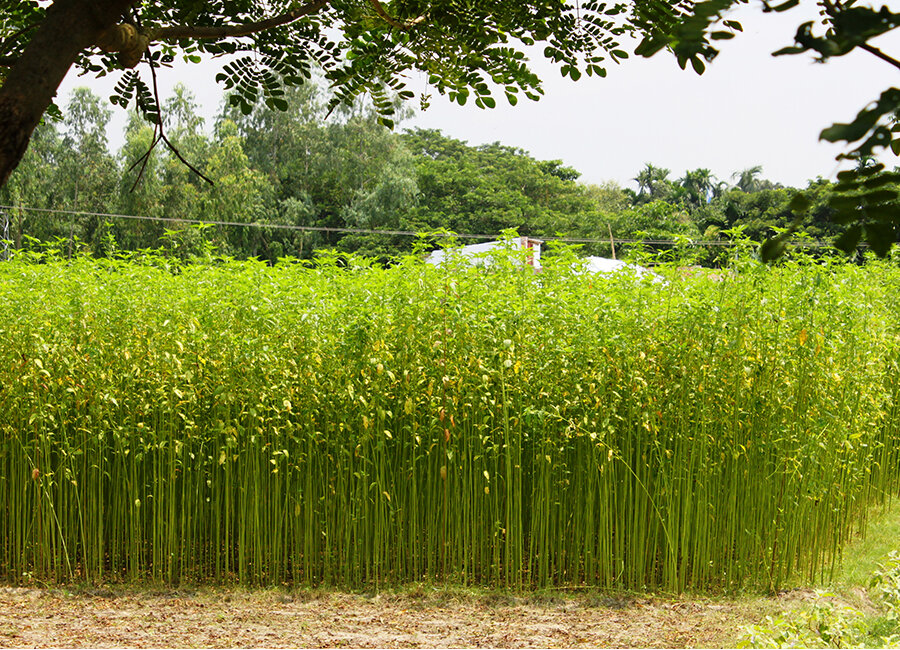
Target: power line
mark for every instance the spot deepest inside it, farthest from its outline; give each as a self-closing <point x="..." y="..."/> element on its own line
<point x="401" y="233"/>
<point x="241" y="224"/>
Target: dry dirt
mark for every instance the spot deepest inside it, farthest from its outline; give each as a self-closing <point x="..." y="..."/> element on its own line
<point x="422" y="617"/>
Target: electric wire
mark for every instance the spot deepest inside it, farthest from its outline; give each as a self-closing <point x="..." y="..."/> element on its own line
<point x="399" y="233"/>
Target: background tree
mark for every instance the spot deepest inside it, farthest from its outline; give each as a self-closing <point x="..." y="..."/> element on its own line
<point x="181" y="190"/>
<point x="654" y="184"/>
<point x="347" y="171"/>
<point x="748" y="180"/>
<point x="138" y="197"/>
<point x="608" y="196"/>
<point x="489" y="188"/>
<point x="33" y="183"/>
<point x="698" y="186"/>
<point x="85" y="173"/>
<point x="239" y="194"/>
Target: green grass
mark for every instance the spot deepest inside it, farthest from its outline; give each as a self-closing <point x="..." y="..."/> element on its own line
<point x="355" y="426"/>
<point x="862" y="555"/>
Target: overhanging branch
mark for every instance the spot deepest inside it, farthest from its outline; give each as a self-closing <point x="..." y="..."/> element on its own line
<point x="871" y="49"/>
<point x="159" y="135"/>
<point x="176" y="32"/>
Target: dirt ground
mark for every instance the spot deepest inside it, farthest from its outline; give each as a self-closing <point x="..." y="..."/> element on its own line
<point x="421" y="617"/>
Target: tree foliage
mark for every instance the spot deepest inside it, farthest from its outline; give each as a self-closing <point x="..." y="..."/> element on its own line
<point x="489" y="188"/>
<point x="467" y="50"/>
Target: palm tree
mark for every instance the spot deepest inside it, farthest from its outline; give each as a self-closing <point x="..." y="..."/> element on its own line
<point x="749" y="180"/>
<point x="720" y="188"/>
<point x="650" y="181"/>
<point x="698" y="184"/>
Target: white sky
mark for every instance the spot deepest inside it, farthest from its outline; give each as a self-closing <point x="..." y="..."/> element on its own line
<point x="747" y="109"/>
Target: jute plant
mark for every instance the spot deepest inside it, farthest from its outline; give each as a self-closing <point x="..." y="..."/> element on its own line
<point x="350" y="425"/>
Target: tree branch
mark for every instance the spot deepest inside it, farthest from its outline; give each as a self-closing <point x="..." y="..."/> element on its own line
<point x="176" y="32"/>
<point x="871" y="49"/>
<point x="159" y="135"/>
<point x="832" y="12"/>
<point x="393" y="22"/>
<point x="8" y="61"/>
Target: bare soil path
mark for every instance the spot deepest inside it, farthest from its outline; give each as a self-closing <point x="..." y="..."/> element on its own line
<point x="421" y="617"/>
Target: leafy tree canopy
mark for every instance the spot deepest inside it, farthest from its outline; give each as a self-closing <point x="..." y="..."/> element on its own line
<point x="489" y="188"/>
<point x="363" y="46"/>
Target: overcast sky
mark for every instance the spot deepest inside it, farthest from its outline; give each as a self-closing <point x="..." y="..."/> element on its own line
<point x="749" y="108"/>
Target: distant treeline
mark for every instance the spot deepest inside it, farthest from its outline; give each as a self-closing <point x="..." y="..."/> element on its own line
<point x="347" y="171"/>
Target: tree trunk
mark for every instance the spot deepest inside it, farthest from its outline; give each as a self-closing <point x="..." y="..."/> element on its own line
<point x="69" y="27"/>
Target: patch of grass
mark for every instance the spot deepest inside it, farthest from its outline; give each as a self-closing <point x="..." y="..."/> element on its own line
<point x="862" y="556"/>
<point x="606" y="601"/>
<point x="448" y="596"/>
<point x="171" y="593"/>
<point x="309" y="595"/>
<point x="499" y="599"/>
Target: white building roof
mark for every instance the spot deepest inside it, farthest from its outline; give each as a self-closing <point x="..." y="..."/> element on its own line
<point x="479" y="254"/>
<point x="593" y="264"/>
